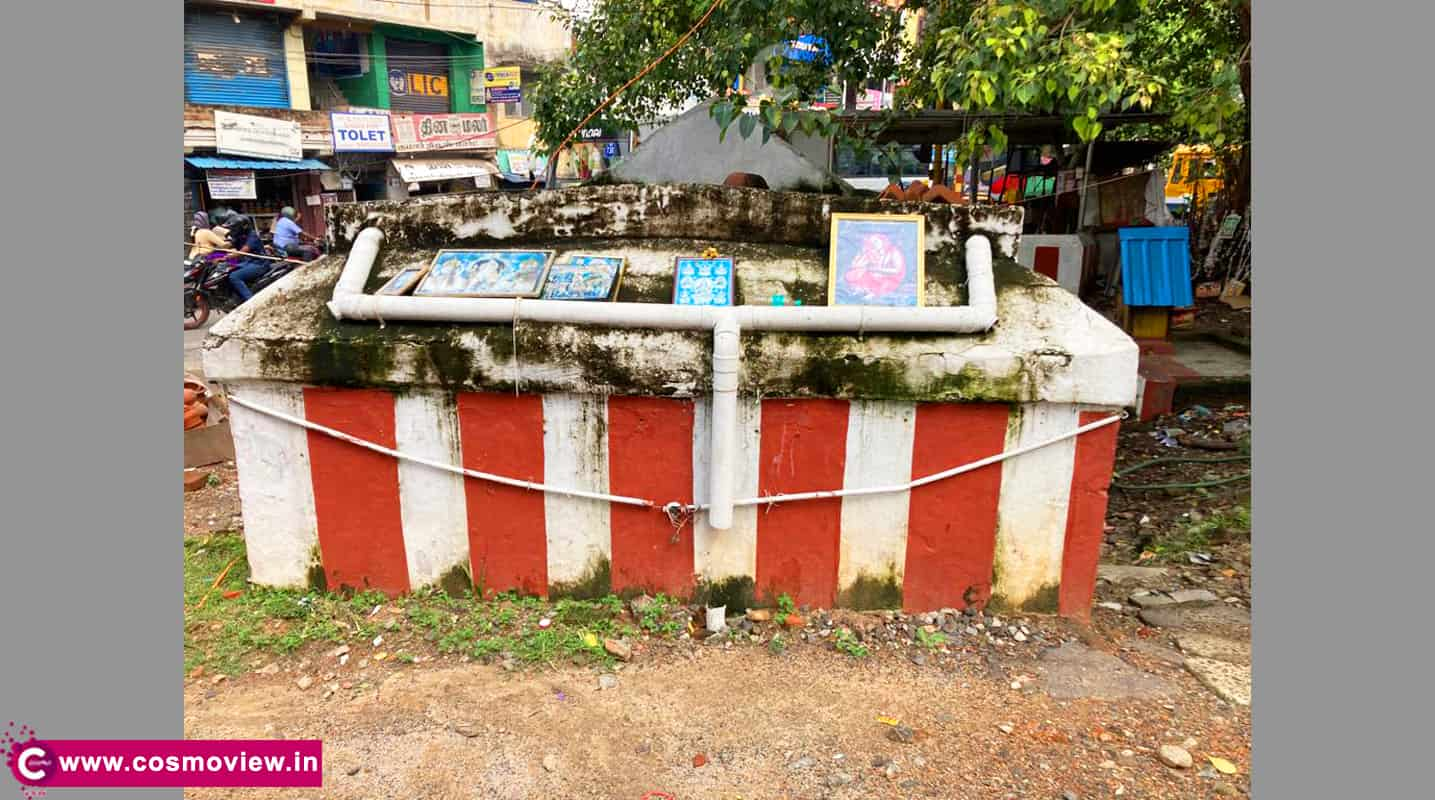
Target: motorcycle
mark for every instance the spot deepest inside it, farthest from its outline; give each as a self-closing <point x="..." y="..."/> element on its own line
<point x="206" y="282"/>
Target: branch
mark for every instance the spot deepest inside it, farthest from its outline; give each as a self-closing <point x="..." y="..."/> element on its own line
<point x="645" y="70"/>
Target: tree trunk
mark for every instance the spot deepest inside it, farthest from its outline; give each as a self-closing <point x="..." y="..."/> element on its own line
<point x="1241" y="185"/>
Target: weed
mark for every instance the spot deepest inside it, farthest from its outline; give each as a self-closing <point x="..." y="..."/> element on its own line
<point x="785" y="605"/>
<point x="777" y="644"/>
<point x="846" y="642"/>
<point x="1199" y="535"/>
<point x="657" y="616"/>
<point x="931" y="641"/>
<point x="212" y="481"/>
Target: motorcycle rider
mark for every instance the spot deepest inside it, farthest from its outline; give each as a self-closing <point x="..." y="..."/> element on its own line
<point x="211" y="236"/>
<point x="250" y="269"/>
<point x="289" y="237"/>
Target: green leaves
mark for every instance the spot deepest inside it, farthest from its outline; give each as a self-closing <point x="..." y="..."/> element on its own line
<point x="746" y="125"/>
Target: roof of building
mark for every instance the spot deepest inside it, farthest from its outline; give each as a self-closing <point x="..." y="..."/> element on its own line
<point x="232" y="162"/>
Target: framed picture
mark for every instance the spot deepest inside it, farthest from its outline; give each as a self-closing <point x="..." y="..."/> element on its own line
<point x="583" y="277"/>
<point x="404" y="282"/>
<point x="877" y="260"/>
<point x="702" y="281"/>
<point x="485" y="273"/>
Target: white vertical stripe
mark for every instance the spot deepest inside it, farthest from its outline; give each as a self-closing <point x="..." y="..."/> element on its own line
<point x="431" y="502"/>
<point x="276" y="492"/>
<point x="575" y="456"/>
<point x="731" y="553"/>
<point x="1035" y="494"/>
<point x="874" y="527"/>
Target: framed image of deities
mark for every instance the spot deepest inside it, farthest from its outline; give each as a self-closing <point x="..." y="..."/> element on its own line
<point x="585" y="277"/>
<point x="877" y="260"/>
<point x="404" y="282"/>
<point x="485" y="273"/>
<point x="702" y="281"/>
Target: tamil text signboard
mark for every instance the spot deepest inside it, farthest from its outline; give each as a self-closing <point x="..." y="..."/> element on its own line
<point x="420" y="132"/>
<point x="257" y="137"/>
<point x="231" y="184"/>
<point x="503" y="84"/>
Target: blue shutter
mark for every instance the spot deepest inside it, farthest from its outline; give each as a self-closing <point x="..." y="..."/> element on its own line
<point x="1156" y="266"/>
<point x="234" y="64"/>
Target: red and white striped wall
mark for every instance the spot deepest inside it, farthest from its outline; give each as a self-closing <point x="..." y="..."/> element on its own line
<point x="1025" y="532"/>
<point x="1062" y="258"/>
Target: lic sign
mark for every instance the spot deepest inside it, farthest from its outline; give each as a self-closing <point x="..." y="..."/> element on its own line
<point x="361" y="133"/>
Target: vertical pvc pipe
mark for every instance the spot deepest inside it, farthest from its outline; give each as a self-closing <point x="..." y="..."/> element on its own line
<point x="726" y="360"/>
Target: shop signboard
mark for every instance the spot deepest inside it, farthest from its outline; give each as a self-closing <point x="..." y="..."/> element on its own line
<point x="257" y="137"/>
<point x="231" y="184"/>
<point x="519" y="163"/>
<point x="421" y="132"/>
<point x="416" y="171"/>
<point x="503" y="84"/>
<point x="361" y="132"/>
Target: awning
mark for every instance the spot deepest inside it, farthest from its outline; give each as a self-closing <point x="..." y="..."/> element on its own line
<point x="211" y="162"/>
<point x="443" y="169"/>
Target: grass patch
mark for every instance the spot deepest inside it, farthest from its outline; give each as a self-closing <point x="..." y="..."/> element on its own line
<point x="1197" y="536"/>
<point x="231" y="635"/>
<point x="931" y="641"/>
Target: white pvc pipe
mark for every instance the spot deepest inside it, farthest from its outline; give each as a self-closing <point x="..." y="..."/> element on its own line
<point x="979" y="315"/>
<point x="726" y="363"/>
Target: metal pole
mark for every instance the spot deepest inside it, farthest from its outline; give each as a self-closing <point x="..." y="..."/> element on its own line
<point x="1085" y="179"/>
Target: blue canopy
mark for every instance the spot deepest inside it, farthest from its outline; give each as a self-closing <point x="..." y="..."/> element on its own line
<point x="212" y="162"/>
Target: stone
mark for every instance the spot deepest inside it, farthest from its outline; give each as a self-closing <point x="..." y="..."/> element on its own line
<point x="618" y="649"/>
<point x="750" y="180"/>
<point x="919" y="658"/>
<point x="891" y="770"/>
<point x="194" y="481"/>
<point x="1070" y="796"/>
<point x="1173" y="756"/>
<point x="901" y="734"/>
<point x="1207" y="646"/>
<point x="879" y="762"/>
<point x="607" y="682"/>
<point x="1019" y="636"/>
<point x="1006" y="727"/>
<point x="971" y="631"/>
<point x="1148" y="599"/>
<point x="839" y="779"/>
<point x="269" y="669"/>
<point x="342" y="650"/>
<point x="759" y="614"/>
<point x="1194" y="596"/>
<point x="1226" y="790"/>
<point x="793" y="621"/>
<point x="304" y="682"/>
<point x="699" y="760"/>
<point x="354" y="769"/>
<point x="467" y="730"/>
<point x="1109" y="606"/>
<point x="1230" y="682"/>
<point x="550" y="762"/>
<point x="806" y="762"/>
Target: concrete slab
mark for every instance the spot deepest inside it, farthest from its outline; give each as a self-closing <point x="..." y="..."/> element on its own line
<point x="1210" y="361"/>
<point x="1230" y="682"/>
<point x="1220" y="648"/>
<point x="1217" y="616"/>
<point x="1074" y="671"/>
<point x="1122" y="573"/>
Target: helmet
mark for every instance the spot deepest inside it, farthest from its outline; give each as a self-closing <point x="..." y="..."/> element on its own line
<point x="288" y="211"/>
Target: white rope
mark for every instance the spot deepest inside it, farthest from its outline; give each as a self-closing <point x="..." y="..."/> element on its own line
<point x="672" y="509"/>
<point x="483" y="476"/>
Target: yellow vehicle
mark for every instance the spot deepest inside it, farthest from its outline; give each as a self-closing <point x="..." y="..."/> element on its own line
<point x="1195" y="174"/>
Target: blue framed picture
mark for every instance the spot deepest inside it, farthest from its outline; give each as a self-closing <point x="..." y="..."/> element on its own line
<point x="877" y="260"/>
<point x="583" y="277"/>
<point x="404" y="282"/>
<point x="485" y="273"/>
<point x="702" y="281"/>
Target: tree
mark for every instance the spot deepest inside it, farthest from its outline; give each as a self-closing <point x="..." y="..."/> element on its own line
<point x="1079" y="59"/>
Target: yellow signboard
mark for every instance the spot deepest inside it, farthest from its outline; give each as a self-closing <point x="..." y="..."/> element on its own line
<point x="501" y="77"/>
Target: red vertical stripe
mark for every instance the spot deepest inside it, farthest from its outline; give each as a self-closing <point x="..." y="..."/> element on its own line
<point x="951" y="524"/>
<point x="804" y="449"/>
<point x="507" y="539"/>
<point x="650" y="455"/>
<point x="1048" y="261"/>
<point x="356" y="491"/>
<point x="1086" y="516"/>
